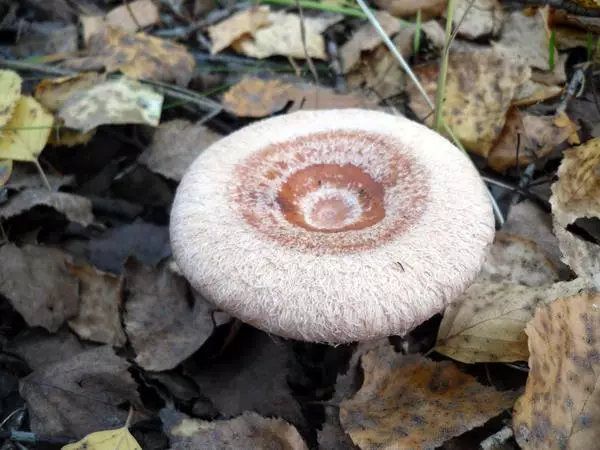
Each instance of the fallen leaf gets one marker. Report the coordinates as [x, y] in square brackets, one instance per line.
[80, 395]
[91, 25]
[577, 192]
[118, 101]
[366, 39]
[26, 176]
[561, 404]
[26, 134]
[175, 145]
[247, 431]
[283, 37]
[146, 242]
[479, 90]
[532, 92]
[479, 18]
[515, 259]
[99, 317]
[527, 136]
[137, 56]
[224, 33]
[486, 323]
[74, 207]
[46, 38]
[10, 86]
[409, 401]
[37, 283]
[39, 348]
[525, 40]
[6, 168]
[561, 120]
[163, 327]
[407, 8]
[256, 97]
[254, 359]
[331, 436]
[581, 256]
[133, 16]
[53, 93]
[119, 439]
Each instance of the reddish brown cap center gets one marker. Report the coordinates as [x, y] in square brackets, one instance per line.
[332, 198]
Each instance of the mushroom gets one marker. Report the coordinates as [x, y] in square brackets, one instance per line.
[332, 225]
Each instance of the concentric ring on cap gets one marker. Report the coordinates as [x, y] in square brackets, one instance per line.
[332, 225]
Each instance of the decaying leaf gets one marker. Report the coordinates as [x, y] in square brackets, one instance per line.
[10, 86]
[175, 145]
[366, 39]
[486, 324]
[53, 93]
[163, 328]
[247, 431]
[256, 97]
[483, 18]
[561, 404]
[532, 92]
[525, 40]
[581, 256]
[37, 283]
[283, 37]
[331, 436]
[133, 16]
[6, 168]
[237, 26]
[137, 56]
[40, 348]
[26, 134]
[26, 176]
[81, 395]
[74, 207]
[409, 401]
[479, 90]
[119, 439]
[99, 317]
[561, 120]
[117, 101]
[515, 259]
[531, 137]
[407, 8]
[254, 359]
[577, 192]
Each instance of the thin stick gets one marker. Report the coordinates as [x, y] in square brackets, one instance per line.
[309, 60]
[443, 74]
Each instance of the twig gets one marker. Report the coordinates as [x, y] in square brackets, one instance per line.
[496, 440]
[309, 60]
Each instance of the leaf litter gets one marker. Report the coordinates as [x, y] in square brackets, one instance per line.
[93, 144]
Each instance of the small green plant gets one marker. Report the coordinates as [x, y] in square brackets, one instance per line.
[552, 50]
[417, 38]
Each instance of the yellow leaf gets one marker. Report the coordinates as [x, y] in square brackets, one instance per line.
[5, 171]
[119, 439]
[26, 134]
[53, 93]
[118, 101]
[10, 86]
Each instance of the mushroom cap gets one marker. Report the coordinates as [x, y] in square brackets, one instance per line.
[332, 225]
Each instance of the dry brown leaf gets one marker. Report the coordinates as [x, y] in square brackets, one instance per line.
[37, 283]
[515, 259]
[243, 23]
[409, 401]
[406, 8]
[163, 328]
[483, 18]
[366, 39]
[561, 405]
[331, 436]
[80, 395]
[561, 120]
[487, 323]
[283, 37]
[74, 207]
[255, 97]
[528, 136]
[137, 56]
[525, 40]
[577, 192]
[532, 92]
[53, 93]
[118, 101]
[581, 256]
[175, 145]
[99, 317]
[133, 16]
[91, 25]
[479, 90]
[247, 431]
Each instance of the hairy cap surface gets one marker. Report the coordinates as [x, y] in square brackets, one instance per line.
[332, 225]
